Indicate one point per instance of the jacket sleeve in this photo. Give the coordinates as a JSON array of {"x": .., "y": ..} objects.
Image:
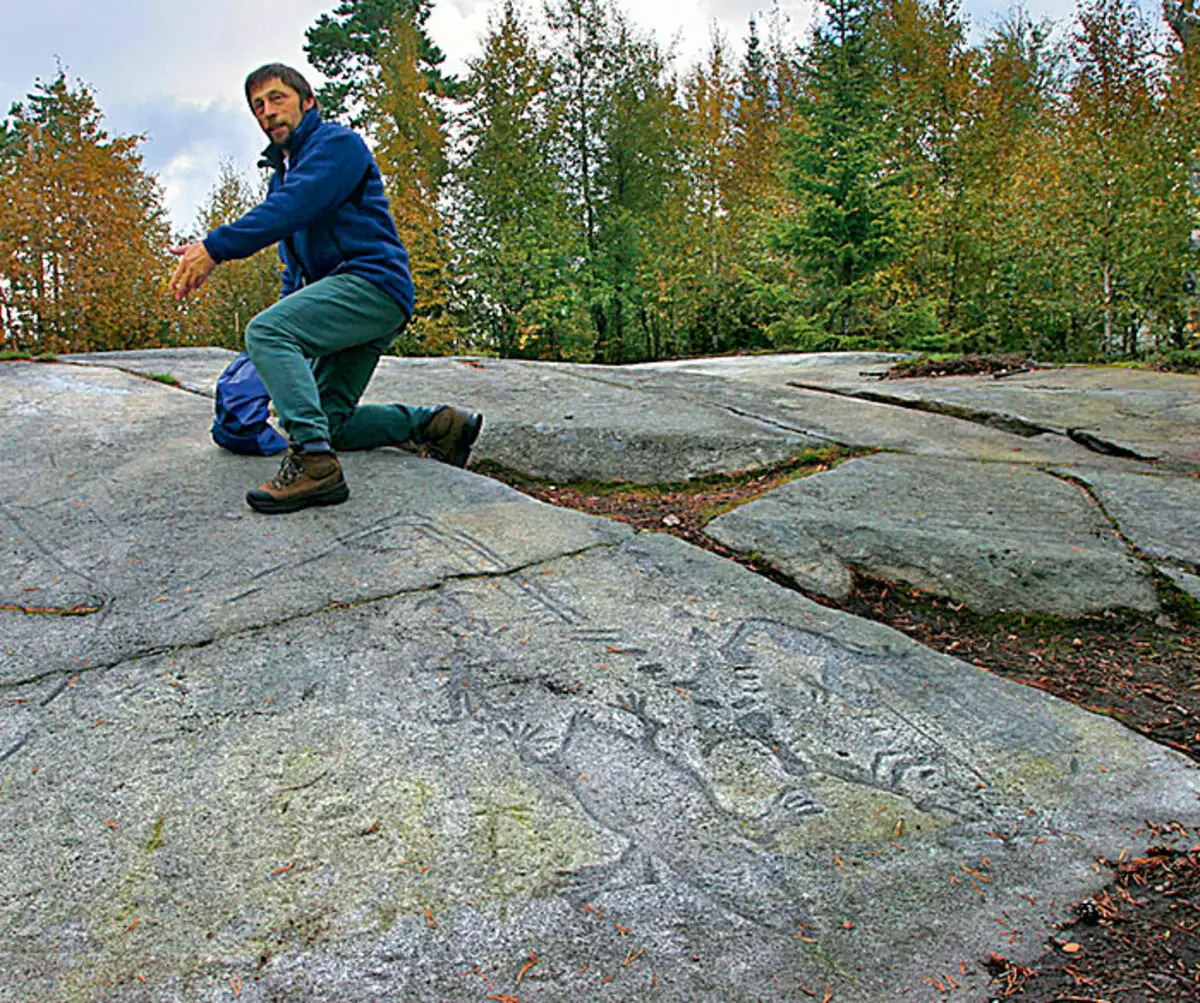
[{"x": 323, "y": 178}]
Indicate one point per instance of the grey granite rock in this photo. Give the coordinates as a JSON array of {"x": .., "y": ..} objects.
[
  {"x": 1158, "y": 513},
  {"x": 443, "y": 742},
  {"x": 993, "y": 536},
  {"x": 640, "y": 764}
]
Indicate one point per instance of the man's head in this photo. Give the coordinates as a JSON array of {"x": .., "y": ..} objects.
[{"x": 278, "y": 96}]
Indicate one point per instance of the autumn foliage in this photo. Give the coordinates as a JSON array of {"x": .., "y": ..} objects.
[
  {"x": 884, "y": 183},
  {"x": 83, "y": 233}
]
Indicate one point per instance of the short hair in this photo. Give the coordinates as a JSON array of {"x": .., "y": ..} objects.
[{"x": 284, "y": 74}]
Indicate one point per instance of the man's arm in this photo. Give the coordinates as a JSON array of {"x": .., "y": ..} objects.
[{"x": 323, "y": 179}]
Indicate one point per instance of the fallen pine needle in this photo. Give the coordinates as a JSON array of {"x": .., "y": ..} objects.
[
  {"x": 533, "y": 960},
  {"x": 430, "y": 919},
  {"x": 235, "y": 984},
  {"x": 631, "y": 957},
  {"x": 284, "y": 869},
  {"x": 828, "y": 994},
  {"x": 503, "y": 998},
  {"x": 135, "y": 922}
]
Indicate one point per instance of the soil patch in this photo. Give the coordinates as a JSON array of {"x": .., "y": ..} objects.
[{"x": 1006, "y": 364}]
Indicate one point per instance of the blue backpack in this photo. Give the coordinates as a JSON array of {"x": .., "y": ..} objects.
[{"x": 241, "y": 424}]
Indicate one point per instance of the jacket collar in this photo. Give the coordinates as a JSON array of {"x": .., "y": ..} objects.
[{"x": 272, "y": 156}]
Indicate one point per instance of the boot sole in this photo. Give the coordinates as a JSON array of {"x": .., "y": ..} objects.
[
  {"x": 333, "y": 496},
  {"x": 462, "y": 451}
]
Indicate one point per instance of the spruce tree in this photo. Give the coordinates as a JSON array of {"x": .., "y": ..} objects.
[{"x": 849, "y": 226}]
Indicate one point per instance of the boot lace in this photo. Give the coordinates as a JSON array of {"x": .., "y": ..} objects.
[{"x": 289, "y": 470}]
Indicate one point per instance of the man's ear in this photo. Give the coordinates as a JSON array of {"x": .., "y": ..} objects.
[{"x": 308, "y": 103}]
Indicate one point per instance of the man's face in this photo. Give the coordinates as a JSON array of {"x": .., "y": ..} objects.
[{"x": 278, "y": 109}]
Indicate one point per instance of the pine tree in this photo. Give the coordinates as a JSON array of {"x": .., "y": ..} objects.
[
  {"x": 83, "y": 233},
  {"x": 348, "y": 47}
]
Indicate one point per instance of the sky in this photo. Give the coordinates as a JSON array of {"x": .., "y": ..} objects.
[{"x": 172, "y": 70}]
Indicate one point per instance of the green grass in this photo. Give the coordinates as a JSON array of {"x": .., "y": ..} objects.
[
  {"x": 166, "y": 378},
  {"x": 11, "y": 356}
]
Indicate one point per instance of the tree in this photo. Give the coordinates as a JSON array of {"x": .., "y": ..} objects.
[
  {"x": 616, "y": 154},
  {"x": 1117, "y": 183},
  {"x": 849, "y": 226},
  {"x": 710, "y": 105},
  {"x": 1182, "y": 127},
  {"x": 83, "y": 233},
  {"x": 218, "y": 313},
  {"x": 411, "y": 153},
  {"x": 928, "y": 87},
  {"x": 764, "y": 281},
  {"x": 640, "y": 175},
  {"x": 517, "y": 249},
  {"x": 348, "y": 47}
]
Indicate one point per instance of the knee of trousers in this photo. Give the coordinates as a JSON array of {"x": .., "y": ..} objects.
[{"x": 262, "y": 332}]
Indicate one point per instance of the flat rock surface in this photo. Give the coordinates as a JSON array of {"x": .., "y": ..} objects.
[
  {"x": 1159, "y": 514},
  {"x": 545, "y": 420},
  {"x": 667, "y": 421},
  {"x": 446, "y": 742},
  {"x": 1152, "y": 415},
  {"x": 993, "y": 536},
  {"x": 116, "y": 501}
]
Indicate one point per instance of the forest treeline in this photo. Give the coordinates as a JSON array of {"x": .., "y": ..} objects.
[{"x": 880, "y": 183}]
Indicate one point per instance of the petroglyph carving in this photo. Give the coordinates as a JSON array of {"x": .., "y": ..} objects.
[{"x": 629, "y": 785}]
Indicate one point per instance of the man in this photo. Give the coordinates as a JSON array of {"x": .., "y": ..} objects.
[{"x": 347, "y": 291}]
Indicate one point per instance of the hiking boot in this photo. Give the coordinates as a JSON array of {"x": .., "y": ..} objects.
[
  {"x": 450, "y": 433},
  {"x": 304, "y": 479}
]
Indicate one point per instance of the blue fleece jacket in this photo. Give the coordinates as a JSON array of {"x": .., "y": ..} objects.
[{"x": 328, "y": 198}]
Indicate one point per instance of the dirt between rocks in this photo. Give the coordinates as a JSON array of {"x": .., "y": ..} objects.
[{"x": 1137, "y": 941}]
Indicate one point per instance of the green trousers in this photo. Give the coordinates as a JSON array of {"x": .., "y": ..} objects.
[{"x": 316, "y": 350}]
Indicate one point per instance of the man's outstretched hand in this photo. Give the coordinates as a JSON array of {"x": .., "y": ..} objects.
[{"x": 193, "y": 268}]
